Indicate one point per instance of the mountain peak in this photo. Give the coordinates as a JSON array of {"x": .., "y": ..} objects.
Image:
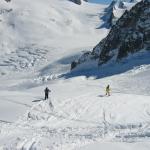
[{"x": 130, "y": 34}]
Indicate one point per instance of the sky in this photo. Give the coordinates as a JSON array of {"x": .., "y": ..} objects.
[{"x": 100, "y": 1}]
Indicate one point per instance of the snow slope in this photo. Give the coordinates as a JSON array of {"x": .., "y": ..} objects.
[
  {"x": 117, "y": 146},
  {"x": 38, "y": 41},
  {"x": 78, "y": 115},
  {"x": 31, "y": 35},
  {"x": 120, "y": 6}
]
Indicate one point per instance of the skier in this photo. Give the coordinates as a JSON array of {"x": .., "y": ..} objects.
[
  {"x": 108, "y": 90},
  {"x": 47, "y": 92}
]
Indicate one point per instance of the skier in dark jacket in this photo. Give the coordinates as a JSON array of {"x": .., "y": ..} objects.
[{"x": 47, "y": 92}]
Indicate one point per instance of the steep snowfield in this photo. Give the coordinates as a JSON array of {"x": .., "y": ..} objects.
[
  {"x": 36, "y": 31},
  {"x": 38, "y": 42}
]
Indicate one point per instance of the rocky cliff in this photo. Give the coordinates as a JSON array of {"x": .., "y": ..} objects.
[
  {"x": 130, "y": 34},
  {"x": 115, "y": 10},
  {"x": 78, "y": 1}
]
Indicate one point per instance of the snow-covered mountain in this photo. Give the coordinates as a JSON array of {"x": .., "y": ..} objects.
[
  {"x": 115, "y": 10},
  {"x": 130, "y": 34},
  {"x": 38, "y": 41},
  {"x": 37, "y": 45},
  {"x": 28, "y": 33}
]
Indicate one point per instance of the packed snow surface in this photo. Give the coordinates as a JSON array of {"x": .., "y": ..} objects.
[{"x": 38, "y": 41}]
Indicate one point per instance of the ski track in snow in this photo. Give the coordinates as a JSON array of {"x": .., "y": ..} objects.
[
  {"x": 16, "y": 102},
  {"x": 90, "y": 132}
]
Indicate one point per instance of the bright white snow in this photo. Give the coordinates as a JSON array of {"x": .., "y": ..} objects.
[{"x": 38, "y": 41}]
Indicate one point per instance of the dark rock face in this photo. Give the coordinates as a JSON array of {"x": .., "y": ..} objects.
[
  {"x": 130, "y": 34},
  {"x": 110, "y": 14},
  {"x": 8, "y": 1},
  {"x": 85, "y": 57},
  {"x": 78, "y": 1}
]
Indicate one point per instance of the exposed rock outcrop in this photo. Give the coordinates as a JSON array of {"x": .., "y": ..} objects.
[
  {"x": 130, "y": 34},
  {"x": 8, "y": 1},
  {"x": 78, "y": 1},
  {"x": 115, "y": 10}
]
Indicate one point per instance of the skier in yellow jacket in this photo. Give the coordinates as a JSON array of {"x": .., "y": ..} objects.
[{"x": 108, "y": 90}]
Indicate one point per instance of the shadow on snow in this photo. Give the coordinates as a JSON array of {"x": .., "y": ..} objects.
[{"x": 112, "y": 68}]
